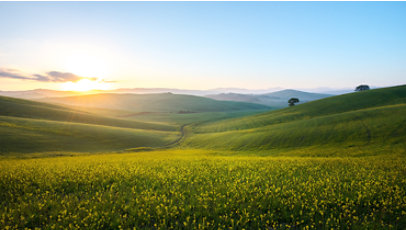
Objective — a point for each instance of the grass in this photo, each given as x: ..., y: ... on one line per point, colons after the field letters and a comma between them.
x: 195, y: 189
x: 190, y: 118
x: 342, y: 122
x: 22, y: 135
x: 160, y: 102
x: 278, y: 99
x: 35, y: 127
x: 336, y: 163
x: 14, y: 107
x: 328, y: 106
x: 380, y: 126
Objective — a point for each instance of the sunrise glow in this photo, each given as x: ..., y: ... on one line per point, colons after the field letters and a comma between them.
x: 89, y: 63
x: 85, y: 85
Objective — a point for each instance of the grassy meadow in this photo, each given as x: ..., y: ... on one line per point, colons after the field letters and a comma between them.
x: 362, y: 123
x: 195, y: 189
x: 334, y: 163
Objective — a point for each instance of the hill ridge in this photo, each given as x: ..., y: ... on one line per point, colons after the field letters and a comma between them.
x: 338, y: 123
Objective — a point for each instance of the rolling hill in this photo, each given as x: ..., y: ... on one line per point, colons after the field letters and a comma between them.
x: 163, y: 102
x: 43, y: 93
x: 32, y: 126
x: 29, y: 126
x: 277, y: 99
x: 14, y: 107
x: 364, y: 122
x: 22, y: 135
x: 37, y: 93
x: 361, y: 123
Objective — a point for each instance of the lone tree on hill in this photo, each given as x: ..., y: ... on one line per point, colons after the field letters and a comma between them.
x: 293, y: 100
x: 362, y: 88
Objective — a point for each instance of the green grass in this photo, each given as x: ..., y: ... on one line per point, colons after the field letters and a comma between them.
x: 163, y: 103
x: 336, y: 163
x: 14, y: 107
x: 364, y: 120
x: 197, y: 190
x: 190, y: 118
x: 22, y: 135
x: 278, y: 99
x: 332, y: 105
x: 374, y: 118
x: 35, y: 127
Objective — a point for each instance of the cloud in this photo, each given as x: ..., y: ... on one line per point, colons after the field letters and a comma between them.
x: 105, y: 81
x: 52, y: 76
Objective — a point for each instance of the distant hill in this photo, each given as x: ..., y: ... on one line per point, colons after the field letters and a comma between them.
x: 37, y: 93
x: 43, y: 93
x: 368, y: 122
x: 14, y: 107
x: 27, y: 135
x: 29, y: 126
x: 276, y: 99
x: 361, y: 123
x: 164, y: 102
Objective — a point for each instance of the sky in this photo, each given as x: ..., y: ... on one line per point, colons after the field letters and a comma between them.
x: 201, y: 45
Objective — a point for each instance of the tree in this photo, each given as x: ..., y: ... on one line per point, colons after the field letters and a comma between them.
x: 362, y: 88
x: 293, y: 100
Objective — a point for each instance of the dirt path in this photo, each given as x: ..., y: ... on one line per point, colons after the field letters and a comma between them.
x: 180, y: 138
x: 170, y: 145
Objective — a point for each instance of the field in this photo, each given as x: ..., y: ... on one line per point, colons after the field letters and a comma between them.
x: 175, y: 189
x: 276, y: 99
x: 335, y: 163
x: 36, y: 127
x: 20, y: 135
x: 365, y: 123
x: 160, y: 102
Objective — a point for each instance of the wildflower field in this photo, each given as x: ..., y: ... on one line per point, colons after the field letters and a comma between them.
x: 188, y: 189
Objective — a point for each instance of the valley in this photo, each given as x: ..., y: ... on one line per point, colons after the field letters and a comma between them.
x: 170, y: 161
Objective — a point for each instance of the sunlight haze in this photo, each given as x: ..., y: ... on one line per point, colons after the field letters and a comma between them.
x: 203, y: 115
x: 204, y: 45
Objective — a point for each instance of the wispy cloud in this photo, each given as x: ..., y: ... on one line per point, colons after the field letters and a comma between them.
x: 52, y: 76
x: 106, y: 81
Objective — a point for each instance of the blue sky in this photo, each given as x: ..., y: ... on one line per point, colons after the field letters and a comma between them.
x: 202, y: 45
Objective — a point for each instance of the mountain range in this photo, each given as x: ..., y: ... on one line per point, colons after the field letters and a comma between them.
x: 271, y: 97
x: 278, y: 99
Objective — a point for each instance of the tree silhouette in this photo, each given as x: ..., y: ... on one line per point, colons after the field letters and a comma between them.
x: 293, y: 100
x: 362, y: 88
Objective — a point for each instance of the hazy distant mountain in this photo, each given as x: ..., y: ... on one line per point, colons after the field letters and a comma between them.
x: 327, y: 90
x: 44, y: 93
x: 245, y: 91
x: 163, y: 90
x: 37, y: 93
x: 274, y: 99
x: 194, y: 92
x: 157, y: 102
x: 231, y: 92
x: 335, y: 91
x: 338, y: 91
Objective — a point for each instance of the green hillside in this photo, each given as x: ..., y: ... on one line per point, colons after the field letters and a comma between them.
x: 30, y: 109
x: 163, y: 102
x: 277, y: 99
x: 29, y: 126
x: 361, y: 122
x: 362, y: 119
x: 22, y: 135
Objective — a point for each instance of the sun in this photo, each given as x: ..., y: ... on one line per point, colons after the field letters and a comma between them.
x: 85, y: 85
x: 87, y: 63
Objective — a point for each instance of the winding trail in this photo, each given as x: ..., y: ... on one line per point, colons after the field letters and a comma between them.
x: 177, y: 141
x: 170, y: 145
